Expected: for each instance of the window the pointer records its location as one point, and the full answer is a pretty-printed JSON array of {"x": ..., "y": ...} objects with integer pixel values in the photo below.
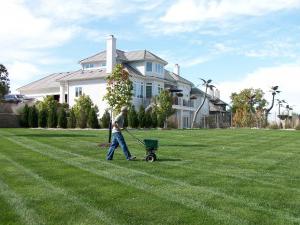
[
  {"x": 149, "y": 67},
  {"x": 159, "y": 68},
  {"x": 159, "y": 88},
  {"x": 134, "y": 90},
  {"x": 141, "y": 91},
  {"x": 78, "y": 91},
  {"x": 103, "y": 64},
  {"x": 148, "y": 90},
  {"x": 89, "y": 65}
]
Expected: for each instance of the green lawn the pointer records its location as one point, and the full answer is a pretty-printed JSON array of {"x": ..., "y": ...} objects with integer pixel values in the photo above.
[{"x": 202, "y": 177}]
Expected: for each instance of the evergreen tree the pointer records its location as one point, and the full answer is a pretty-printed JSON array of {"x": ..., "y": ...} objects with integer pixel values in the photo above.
[
  {"x": 81, "y": 119},
  {"x": 4, "y": 81},
  {"x": 125, "y": 121},
  {"x": 24, "y": 116},
  {"x": 160, "y": 120},
  {"x": 148, "y": 119},
  {"x": 105, "y": 120},
  {"x": 72, "y": 119},
  {"x": 52, "y": 117},
  {"x": 92, "y": 119},
  {"x": 42, "y": 118},
  {"x": 62, "y": 118},
  {"x": 133, "y": 118},
  {"x": 154, "y": 119},
  {"x": 141, "y": 116},
  {"x": 32, "y": 117}
]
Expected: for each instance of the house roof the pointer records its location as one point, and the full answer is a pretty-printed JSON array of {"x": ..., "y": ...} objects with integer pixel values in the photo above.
[
  {"x": 131, "y": 56},
  {"x": 170, "y": 76},
  {"x": 209, "y": 97},
  {"x": 46, "y": 83},
  {"x": 95, "y": 74}
]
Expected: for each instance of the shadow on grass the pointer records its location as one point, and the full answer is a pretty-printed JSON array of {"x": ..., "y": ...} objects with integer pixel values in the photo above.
[
  {"x": 183, "y": 145},
  {"x": 167, "y": 160},
  {"x": 55, "y": 135}
]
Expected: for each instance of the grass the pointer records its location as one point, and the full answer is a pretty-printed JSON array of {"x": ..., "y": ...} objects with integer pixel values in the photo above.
[{"x": 202, "y": 177}]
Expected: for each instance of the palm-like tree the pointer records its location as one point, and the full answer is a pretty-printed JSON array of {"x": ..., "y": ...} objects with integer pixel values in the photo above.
[
  {"x": 274, "y": 91},
  {"x": 208, "y": 85}
]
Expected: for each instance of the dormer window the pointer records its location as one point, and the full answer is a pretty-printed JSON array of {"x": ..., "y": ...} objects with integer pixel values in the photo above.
[
  {"x": 159, "y": 68},
  {"x": 88, "y": 65},
  {"x": 149, "y": 66}
]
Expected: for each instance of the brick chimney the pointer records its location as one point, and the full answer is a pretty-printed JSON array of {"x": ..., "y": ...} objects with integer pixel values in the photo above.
[{"x": 111, "y": 53}]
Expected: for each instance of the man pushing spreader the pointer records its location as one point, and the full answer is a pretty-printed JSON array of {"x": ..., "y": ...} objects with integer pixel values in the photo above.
[{"x": 117, "y": 136}]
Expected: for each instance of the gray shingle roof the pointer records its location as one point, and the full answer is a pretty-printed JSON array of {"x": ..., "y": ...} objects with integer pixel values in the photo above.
[
  {"x": 84, "y": 75},
  {"x": 95, "y": 74},
  {"x": 46, "y": 83},
  {"x": 125, "y": 56},
  {"x": 170, "y": 76}
]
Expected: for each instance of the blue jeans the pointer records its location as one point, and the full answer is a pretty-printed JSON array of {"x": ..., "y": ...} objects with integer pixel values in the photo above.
[{"x": 117, "y": 139}]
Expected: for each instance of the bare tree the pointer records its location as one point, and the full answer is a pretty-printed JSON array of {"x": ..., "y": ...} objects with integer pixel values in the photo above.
[{"x": 207, "y": 85}]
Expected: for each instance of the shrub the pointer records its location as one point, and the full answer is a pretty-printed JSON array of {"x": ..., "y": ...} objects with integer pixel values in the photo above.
[
  {"x": 42, "y": 118},
  {"x": 274, "y": 126},
  {"x": 297, "y": 127},
  {"x": 52, "y": 117},
  {"x": 133, "y": 118},
  {"x": 141, "y": 116},
  {"x": 72, "y": 119},
  {"x": 82, "y": 109},
  {"x": 125, "y": 121},
  {"x": 62, "y": 118},
  {"x": 160, "y": 120},
  {"x": 92, "y": 119},
  {"x": 105, "y": 120},
  {"x": 32, "y": 117},
  {"x": 148, "y": 119},
  {"x": 154, "y": 119},
  {"x": 81, "y": 119},
  {"x": 24, "y": 116}
]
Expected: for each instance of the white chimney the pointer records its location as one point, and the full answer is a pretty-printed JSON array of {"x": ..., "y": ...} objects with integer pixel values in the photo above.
[
  {"x": 110, "y": 53},
  {"x": 177, "y": 69},
  {"x": 217, "y": 93}
]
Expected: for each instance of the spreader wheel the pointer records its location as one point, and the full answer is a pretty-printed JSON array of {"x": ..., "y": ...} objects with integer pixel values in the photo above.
[{"x": 151, "y": 157}]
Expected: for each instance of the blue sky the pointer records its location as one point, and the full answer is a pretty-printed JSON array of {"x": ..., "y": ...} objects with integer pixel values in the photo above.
[{"x": 238, "y": 44}]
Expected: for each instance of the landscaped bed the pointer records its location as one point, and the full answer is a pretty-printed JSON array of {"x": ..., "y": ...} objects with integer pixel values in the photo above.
[{"x": 201, "y": 177}]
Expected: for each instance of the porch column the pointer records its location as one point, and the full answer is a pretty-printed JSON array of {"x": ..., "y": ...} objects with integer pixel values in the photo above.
[{"x": 62, "y": 93}]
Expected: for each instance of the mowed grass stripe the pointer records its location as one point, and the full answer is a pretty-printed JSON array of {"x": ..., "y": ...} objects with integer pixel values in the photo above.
[
  {"x": 127, "y": 204},
  {"x": 168, "y": 192},
  {"x": 259, "y": 205},
  {"x": 18, "y": 204},
  {"x": 242, "y": 201},
  {"x": 49, "y": 187}
]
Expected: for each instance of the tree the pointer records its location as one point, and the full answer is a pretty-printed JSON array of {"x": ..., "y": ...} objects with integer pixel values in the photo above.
[
  {"x": 248, "y": 106},
  {"x": 82, "y": 109},
  {"x": 160, "y": 120},
  {"x": 24, "y": 116},
  {"x": 154, "y": 118},
  {"x": 207, "y": 85},
  {"x": 148, "y": 119},
  {"x": 32, "y": 117},
  {"x": 4, "y": 81},
  {"x": 133, "y": 120},
  {"x": 62, "y": 118},
  {"x": 71, "y": 119},
  {"x": 141, "y": 117},
  {"x": 105, "y": 119},
  {"x": 119, "y": 88},
  {"x": 274, "y": 91},
  {"x": 164, "y": 106},
  {"x": 52, "y": 117},
  {"x": 42, "y": 118},
  {"x": 92, "y": 119}
]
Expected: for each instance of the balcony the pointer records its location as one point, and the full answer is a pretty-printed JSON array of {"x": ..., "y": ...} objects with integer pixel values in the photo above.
[{"x": 178, "y": 102}]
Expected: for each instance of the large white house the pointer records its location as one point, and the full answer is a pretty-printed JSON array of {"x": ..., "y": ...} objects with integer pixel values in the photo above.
[{"x": 149, "y": 77}]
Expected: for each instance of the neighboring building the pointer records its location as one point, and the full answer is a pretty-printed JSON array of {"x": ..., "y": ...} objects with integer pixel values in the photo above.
[{"x": 147, "y": 72}]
